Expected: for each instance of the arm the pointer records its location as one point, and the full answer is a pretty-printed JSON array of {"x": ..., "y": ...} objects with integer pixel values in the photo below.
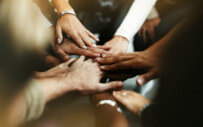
[
  {"x": 136, "y": 16},
  {"x": 43, "y": 90},
  {"x": 107, "y": 115},
  {"x": 131, "y": 24},
  {"x": 70, "y": 25},
  {"x": 148, "y": 63},
  {"x": 149, "y": 26},
  {"x": 62, "y": 5}
]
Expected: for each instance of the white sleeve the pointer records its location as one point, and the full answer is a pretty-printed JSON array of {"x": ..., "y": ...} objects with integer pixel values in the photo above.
[
  {"x": 136, "y": 16},
  {"x": 153, "y": 14}
]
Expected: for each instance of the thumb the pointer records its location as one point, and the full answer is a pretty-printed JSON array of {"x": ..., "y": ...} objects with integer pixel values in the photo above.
[
  {"x": 63, "y": 55},
  {"x": 59, "y": 34},
  {"x": 143, "y": 79},
  {"x": 110, "y": 86}
]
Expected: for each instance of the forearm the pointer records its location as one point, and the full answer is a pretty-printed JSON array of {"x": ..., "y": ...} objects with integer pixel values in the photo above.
[
  {"x": 136, "y": 16},
  {"x": 162, "y": 45},
  {"x": 53, "y": 88},
  {"x": 62, "y": 5}
]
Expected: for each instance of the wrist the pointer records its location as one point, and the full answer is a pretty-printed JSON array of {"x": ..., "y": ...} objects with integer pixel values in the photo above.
[
  {"x": 55, "y": 87},
  {"x": 121, "y": 38},
  {"x": 61, "y": 5},
  {"x": 65, "y": 13}
]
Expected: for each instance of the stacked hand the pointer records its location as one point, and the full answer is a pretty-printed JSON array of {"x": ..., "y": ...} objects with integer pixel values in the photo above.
[
  {"x": 69, "y": 24},
  {"x": 126, "y": 65},
  {"x": 133, "y": 101},
  {"x": 86, "y": 76},
  {"x": 149, "y": 27},
  {"x": 68, "y": 47},
  {"x": 80, "y": 75},
  {"x": 118, "y": 44}
]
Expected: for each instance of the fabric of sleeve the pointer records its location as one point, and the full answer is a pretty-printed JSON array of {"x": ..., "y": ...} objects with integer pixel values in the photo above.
[
  {"x": 35, "y": 102},
  {"x": 153, "y": 14},
  {"x": 136, "y": 16},
  {"x": 43, "y": 21}
]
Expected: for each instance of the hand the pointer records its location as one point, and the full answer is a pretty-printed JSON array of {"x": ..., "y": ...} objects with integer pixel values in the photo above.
[
  {"x": 133, "y": 101},
  {"x": 86, "y": 76},
  {"x": 149, "y": 27},
  {"x": 60, "y": 69},
  {"x": 119, "y": 44},
  {"x": 68, "y": 47},
  {"x": 146, "y": 63},
  {"x": 70, "y": 25}
]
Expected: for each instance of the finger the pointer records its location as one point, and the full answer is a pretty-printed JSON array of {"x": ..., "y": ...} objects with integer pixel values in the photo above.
[
  {"x": 118, "y": 96},
  {"x": 81, "y": 59},
  {"x": 121, "y": 66},
  {"x": 97, "y": 50},
  {"x": 87, "y": 53},
  {"x": 140, "y": 33},
  {"x": 118, "y": 55},
  {"x": 151, "y": 33},
  {"x": 90, "y": 60},
  {"x": 143, "y": 79},
  {"x": 60, "y": 68},
  {"x": 87, "y": 40},
  {"x": 92, "y": 35},
  {"x": 68, "y": 63},
  {"x": 59, "y": 34},
  {"x": 63, "y": 55},
  {"x": 110, "y": 86},
  {"x": 105, "y": 47},
  {"x": 119, "y": 76},
  {"x": 79, "y": 41},
  {"x": 144, "y": 34},
  {"x": 113, "y": 60}
]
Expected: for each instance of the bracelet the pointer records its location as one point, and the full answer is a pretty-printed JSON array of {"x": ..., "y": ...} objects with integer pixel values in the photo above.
[
  {"x": 108, "y": 102},
  {"x": 111, "y": 103},
  {"x": 66, "y": 12}
]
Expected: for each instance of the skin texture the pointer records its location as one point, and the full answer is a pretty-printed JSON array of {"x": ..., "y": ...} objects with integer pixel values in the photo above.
[
  {"x": 149, "y": 27},
  {"x": 133, "y": 101},
  {"x": 127, "y": 65},
  {"x": 70, "y": 25},
  {"x": 119, "y": 44},
  {"x": 66, "y": 75},
  {"x": 147, "y": 63},
  {"x": 61, "y": 80},
  {"x": 106, "y": 115},
  {"x": 68, "y": 47}
]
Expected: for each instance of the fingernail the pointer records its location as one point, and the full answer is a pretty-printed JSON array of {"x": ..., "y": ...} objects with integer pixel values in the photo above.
[
  {"x": 114, "y": 92},
  {"x": 120, "y": 83},
  {"x": 104, "y": 55},
  {"x": 141, "y": 81},
  {"x": 59, "y": 41},
  {"x": 84, "y": 47},
  {"x": 66, "y": 58},
  {"x": 94, "y": 45},
  {"x": 96, "y": 54},
  {"x": 98, "y": 59},
  {"x": 102, "y": 67},
  {"x": 98, "y": 39}
]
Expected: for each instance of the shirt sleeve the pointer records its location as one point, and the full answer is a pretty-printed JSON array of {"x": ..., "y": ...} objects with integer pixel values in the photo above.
[
  {"x": 34, "y": 101},
  {"x": 153, "y": 14},
  {"x": 136, "y": 16},
  {"x": 43, "y": 21}
]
